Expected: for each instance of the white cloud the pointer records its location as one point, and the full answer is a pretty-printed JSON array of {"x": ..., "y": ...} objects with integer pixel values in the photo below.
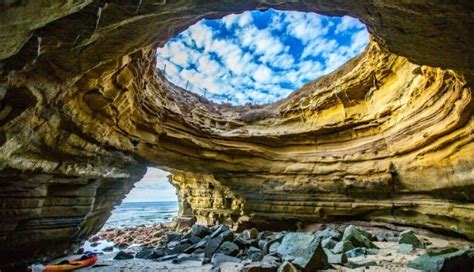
[
  {"x": 305, "y": 26},
  {"x": 347, "y": 23},
  {"x": 241, "y": 20},
  {"x": 263, "y": 74}
]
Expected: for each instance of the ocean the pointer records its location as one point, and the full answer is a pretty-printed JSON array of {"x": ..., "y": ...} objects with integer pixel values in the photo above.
[{"x": 131, "y": 214}]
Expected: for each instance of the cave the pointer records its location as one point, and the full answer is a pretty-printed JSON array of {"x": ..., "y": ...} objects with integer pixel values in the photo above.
[{"x": 84, "y": 112}]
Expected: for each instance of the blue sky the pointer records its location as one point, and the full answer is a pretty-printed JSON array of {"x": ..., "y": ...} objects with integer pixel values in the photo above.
[
  {"x": 154, "y": 186},
  {"x": 259, "y": 57}
]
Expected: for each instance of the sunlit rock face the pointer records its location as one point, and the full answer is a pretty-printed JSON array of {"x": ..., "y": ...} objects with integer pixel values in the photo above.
[{"x": 387, "y": 137}]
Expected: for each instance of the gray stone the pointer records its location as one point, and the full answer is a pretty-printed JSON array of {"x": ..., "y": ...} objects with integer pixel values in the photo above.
[
  {"x": 329, "y": 243},
  {"x": 203, "y": 242},
  {"x": 167, "y": 258},
  {"x": 358, "y": 238},
  {"x": 149, "y": 253},
  {"x": 260, "y": 267},
  {"x": 372, "y": 251},
  {"x": 212, "y": 245},
  {"x": 304, "y": 250},
  {"x": 342, "y": 246},
  {"x": 359, "y": 262},
  {"x": 254, "y": 254},
  {"x": 409, "y": 237},
  {"x": 106, "y": 249},
  {"x": 191, "y": 240},
  {"x": 356, "y": 252},
  {"x": 270, "y": 259},
  {"x": 274, "y": 247},
  {"x": 250, "y": 234},
  {"x": 219, "y": 229},
  {"x": 261, "y": 244},
  {"x": 405, "y": 248},
  {"x": 445, "y": 260},
  {"x": 242, "y": 243},
  {"x": 180, "y": 247},
  {"x": 173, "y": 236},
  {"x": 330, "y": 233},
  {"x": 220, "y": 258},
  {"x": 335, "y": 258},
  {"x": 271, "y": 240},
  {"x": 199, "y": 230},
  {"x": 228, "y": 248},
  {"x": 227, "y": 235},
  {"x": 386, "y": 235},
  {"x": 122, "y": 255}
]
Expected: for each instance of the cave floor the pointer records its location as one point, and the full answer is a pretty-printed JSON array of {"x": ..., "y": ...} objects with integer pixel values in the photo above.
[{"x": 388, "y": 258}]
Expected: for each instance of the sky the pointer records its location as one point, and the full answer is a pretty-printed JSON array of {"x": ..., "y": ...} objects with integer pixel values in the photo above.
[
  {"x": 153, "y": 187},
  {"x": 259, "y": 57}
]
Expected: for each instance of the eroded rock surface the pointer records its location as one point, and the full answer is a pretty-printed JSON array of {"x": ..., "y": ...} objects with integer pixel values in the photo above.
[{"x": 388, "y": 137}]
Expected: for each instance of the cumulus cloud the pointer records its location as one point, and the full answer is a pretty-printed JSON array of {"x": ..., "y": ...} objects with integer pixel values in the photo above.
[{"x": 259, "y": 57}]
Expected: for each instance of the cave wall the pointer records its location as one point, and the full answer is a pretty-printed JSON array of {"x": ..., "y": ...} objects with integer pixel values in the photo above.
[{"x": 83, "y": 112}]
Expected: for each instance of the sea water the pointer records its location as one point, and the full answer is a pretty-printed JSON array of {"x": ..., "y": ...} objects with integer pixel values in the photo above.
[{"x": 130, "y": 214}]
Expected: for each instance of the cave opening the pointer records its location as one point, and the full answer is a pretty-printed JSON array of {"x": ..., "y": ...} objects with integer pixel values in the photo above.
[
  {"x": 259, "y": 57},
  {"x": 152, "y": 200},
  {"x": 404, "y": 160}
]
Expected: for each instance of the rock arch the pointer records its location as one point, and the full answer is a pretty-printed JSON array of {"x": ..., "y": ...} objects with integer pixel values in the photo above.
[{"x": 98, "y": 113}]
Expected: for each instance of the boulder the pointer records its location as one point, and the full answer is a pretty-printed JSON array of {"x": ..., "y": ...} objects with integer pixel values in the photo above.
[
  {"x": 409, "y": 237},
  {"x": 330, "y": 233},
  {"x": 180, "y": 247},
  {"x": 340, "y": 258},
  {"x": 227, "y": 235},
  {"x": 304, "y": 250},
  {"x": 150, "y": 253},
  {"x": 122, "y": 255},
  {"x": 218, "y": 230},
  {"x": 228, "y": 248},
  {"x": 199, "y": 230},
  {"x": 405, "y": 248},
  {"x": 254, "y": 254},
  {"x": 242, "y": 243},
  {"x": 212, "y": 245},
  {"x": 445, "y": 260},
  {"x": 329, "y": 243},
  {"x": 167, "y": 258},
  {"x": 357, "y": 237},
  {"x": 191, "y": 240},
  {"x": 342, "y": 246},
  {"x": 106, "y": 249},
  {"x": 250, "y": 234},
  {"x": 273, "y": 247},
  {"x": 386, "y": 236},
  {"x": 260, "y": 267},
  {"x": 220, "y": 258},
  {"x": 173, "y": 236},
  {"x": 356, "y": 252},
  {"x": 359, "y": 262}
]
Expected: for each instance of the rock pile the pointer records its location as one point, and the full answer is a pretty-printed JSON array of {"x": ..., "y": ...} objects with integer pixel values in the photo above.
[
  {"x": 149, "y": 236},
  {"x": 254, "y": 251}
]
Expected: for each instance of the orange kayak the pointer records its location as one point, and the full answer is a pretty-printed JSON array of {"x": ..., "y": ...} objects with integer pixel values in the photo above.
[{"x": 71, "y": 264}]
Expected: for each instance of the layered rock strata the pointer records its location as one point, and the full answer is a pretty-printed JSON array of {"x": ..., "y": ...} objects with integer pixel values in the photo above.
[{"x": 387, "y": 137}]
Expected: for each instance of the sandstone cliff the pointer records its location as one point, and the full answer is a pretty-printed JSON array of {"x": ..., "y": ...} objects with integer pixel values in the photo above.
[{"x": 388, "y": 137}]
